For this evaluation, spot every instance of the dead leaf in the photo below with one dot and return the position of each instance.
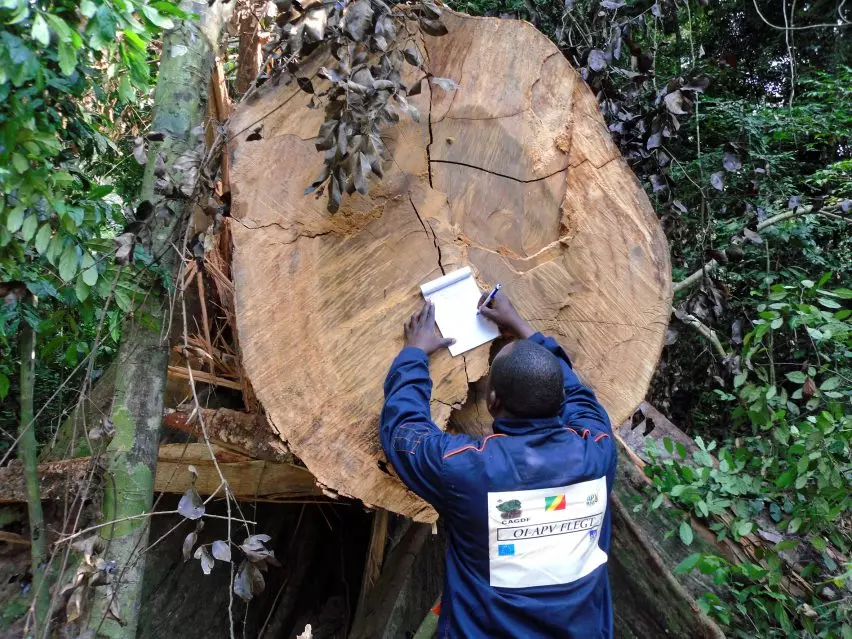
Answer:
(307, 634)
(188, 544)
(192, 469)
(249, 581)
(412, 56)
(597, 60)
(752, 236)
(676, 103)
(731, 162)
(447, 84)
(206, 559)
(190, 504)
(357, 19)
(140, 151)
(434, 28)
(221, 550)
(655, 140)
(717, 179)
(315, 22)
(305, 85)
(809, 388)
(124, 245)
(74, 607)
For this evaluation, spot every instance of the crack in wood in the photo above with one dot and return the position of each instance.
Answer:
(502, 175)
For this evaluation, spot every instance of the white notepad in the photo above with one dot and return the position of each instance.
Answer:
(456, 297)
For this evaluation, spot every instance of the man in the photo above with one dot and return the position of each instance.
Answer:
(526, 509)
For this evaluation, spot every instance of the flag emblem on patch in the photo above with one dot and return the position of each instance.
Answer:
(592, 499)
(554, 503)
(593, 534)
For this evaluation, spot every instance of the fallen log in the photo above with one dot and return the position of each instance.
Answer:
(249, 479)
(513, 174)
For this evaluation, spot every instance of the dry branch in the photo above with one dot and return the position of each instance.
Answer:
(249, 479)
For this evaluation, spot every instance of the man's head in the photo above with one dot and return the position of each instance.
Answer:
(525, 381)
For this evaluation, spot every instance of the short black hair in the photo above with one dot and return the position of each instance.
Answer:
(527, 380)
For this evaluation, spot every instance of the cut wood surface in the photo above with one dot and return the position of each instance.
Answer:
(249, 479)
(513, 174)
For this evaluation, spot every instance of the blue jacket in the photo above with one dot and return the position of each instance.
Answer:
(526, 509)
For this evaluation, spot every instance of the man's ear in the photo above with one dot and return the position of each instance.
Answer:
(493, 402)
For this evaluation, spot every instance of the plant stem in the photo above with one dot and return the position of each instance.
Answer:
(28, 454)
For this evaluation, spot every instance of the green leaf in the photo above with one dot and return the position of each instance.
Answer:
(68, 262)
(90, 271)
(744, 528)
(795, 524)
(814, 333)
(28, 228)
(667, 442)
(786, 544)
(15, 219)
(829, 303)
(739, 380)
(681, 450)
(125, 90)
(843, 293)
(702, 508)
(685, 532)
(785, 479)
(678, 490)
(801, 480)
(20, 163)
(122, 299)
(818, 543)
(164, 22)
(40, 33)
(797, 377)
(67, 58)
(59, 26)
(4, 386)
(830, 384)
(88, 8)
(42, 238)
(134, 40)
(81, 289)
(688, 564)
(777, 322)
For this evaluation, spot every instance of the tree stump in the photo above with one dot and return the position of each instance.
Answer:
(513, 174)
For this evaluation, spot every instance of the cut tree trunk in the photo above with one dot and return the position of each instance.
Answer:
(137, 411)
(513, 174)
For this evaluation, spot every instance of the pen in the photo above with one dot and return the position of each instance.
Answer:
(491, 296)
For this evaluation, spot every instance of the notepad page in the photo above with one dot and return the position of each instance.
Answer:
(456, 297)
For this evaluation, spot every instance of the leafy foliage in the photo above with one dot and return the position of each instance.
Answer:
(365, 90)
(73, 79)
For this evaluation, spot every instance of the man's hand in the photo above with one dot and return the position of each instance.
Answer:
(503, 313)
(421, 331)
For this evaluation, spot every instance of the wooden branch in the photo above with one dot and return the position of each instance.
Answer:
(711, 265)
(692, 321)
(249, 434)
(180, 372)
(375, 557)
(249, 479)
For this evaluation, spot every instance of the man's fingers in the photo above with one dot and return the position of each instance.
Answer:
(421, 315)
(446, 343)
(430, 313)
(488, 312)
(482, 298)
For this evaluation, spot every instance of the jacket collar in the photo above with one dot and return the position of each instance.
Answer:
(516, 426)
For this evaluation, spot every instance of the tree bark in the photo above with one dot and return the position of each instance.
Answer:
(137, 413)
(28, 454)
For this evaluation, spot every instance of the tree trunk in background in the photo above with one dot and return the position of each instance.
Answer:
(250, 55)
(184, 78)
(28, 454)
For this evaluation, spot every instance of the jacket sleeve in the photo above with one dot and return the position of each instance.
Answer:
(581, 409)
(412, 442)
